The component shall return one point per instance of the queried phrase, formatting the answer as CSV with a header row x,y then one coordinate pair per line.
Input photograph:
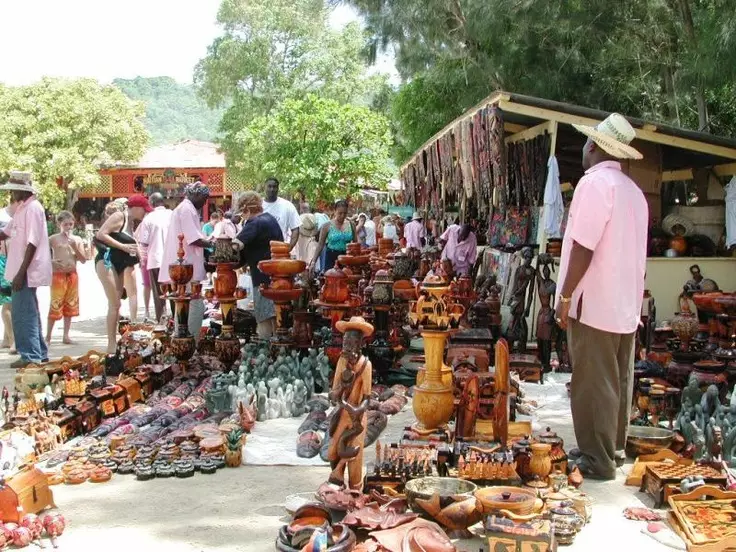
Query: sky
x,y
105,39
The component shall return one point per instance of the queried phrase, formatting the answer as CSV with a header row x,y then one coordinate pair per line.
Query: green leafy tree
x,y
174,111
669,60
64,130
316,146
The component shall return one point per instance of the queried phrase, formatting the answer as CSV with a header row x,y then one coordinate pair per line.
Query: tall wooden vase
x,y
433,398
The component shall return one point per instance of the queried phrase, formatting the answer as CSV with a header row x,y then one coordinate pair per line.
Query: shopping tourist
x,y
253,242
306,245
209,226
185,220
415,233
28,267
116,251
601,288
150,236
66,251
366,231
283,211
461,248
6,288
335,237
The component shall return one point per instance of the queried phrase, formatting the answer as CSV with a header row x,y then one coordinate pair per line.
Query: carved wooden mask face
x,y
352,343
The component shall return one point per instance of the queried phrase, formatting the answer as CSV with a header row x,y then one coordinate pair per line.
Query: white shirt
x,y
370,232
731,213
554,208
286,215
152,233
390,232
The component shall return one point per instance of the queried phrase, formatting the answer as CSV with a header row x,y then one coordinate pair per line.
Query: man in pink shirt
x,y
28,267
415,233
461,248
601,287
152,235
185,220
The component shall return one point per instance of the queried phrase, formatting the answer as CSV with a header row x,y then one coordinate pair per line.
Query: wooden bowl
x,y
426,487
647,440
516,500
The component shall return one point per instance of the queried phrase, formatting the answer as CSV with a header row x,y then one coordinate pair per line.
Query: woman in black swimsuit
x,y
116,250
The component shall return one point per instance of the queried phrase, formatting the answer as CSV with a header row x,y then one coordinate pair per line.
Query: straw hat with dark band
x,y
613,135
357,323
20,181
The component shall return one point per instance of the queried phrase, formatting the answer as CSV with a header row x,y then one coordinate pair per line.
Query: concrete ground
x,y
240,509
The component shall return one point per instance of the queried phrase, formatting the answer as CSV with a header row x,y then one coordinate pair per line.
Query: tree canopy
x,y
667,60
174,111
272,56
317,147
67,129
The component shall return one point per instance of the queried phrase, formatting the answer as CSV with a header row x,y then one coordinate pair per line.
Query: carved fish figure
x,y
456,516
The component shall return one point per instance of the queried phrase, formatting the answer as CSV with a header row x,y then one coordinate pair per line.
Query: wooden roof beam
x,y
727,169
646,135
529,133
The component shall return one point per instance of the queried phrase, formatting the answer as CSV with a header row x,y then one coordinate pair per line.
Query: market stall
x,y
493,165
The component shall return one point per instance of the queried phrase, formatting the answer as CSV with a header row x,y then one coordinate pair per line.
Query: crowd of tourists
x,y
138,239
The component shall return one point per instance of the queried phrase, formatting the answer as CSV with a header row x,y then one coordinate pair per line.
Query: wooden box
x,y
119,398
161,375
103,398
27,492
69,423
659,479
89,415
512,536
144,379
702,518
132,389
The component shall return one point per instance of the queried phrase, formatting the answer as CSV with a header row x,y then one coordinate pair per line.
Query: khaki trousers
x,y
600,392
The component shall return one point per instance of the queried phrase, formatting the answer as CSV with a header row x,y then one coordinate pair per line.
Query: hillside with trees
x,y
174,111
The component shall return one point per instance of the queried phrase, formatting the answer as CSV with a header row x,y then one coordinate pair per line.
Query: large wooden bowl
x,y
516,500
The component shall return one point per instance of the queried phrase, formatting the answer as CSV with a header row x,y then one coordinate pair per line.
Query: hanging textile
x,y
512,229
497,151
554,207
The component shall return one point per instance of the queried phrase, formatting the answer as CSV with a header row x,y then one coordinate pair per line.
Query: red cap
x,y
139,200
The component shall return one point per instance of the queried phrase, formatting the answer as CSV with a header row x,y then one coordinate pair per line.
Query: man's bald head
x,y
156,200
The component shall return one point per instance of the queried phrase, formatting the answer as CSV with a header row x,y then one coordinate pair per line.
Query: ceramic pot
x,y
685,326
433,402
182,347
402,266
510,499
679,244
383,289
227,349
541,463
335,289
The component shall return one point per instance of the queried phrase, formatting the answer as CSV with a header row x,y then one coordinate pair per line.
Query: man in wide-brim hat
x,y
600,293
28,267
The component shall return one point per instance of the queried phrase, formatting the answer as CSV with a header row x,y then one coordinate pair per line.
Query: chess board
x,y
661,480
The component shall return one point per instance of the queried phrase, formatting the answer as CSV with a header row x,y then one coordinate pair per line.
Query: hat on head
x,y
613,135
416,216
20,181
356,323
139,200
196,189
308,226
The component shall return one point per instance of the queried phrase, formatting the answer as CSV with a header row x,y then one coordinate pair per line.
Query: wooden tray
x,y
715,531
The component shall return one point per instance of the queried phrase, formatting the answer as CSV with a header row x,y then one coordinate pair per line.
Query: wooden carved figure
x,y
521,301
546,318
501,399
351,391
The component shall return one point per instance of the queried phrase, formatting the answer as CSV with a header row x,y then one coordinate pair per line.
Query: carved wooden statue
x,y
351,391
521,300
501,399
546,317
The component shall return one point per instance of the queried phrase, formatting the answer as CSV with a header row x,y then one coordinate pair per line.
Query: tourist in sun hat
x,y
28,267
601,287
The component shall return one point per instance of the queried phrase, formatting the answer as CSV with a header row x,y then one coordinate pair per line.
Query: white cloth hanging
x,y
554,208
731,212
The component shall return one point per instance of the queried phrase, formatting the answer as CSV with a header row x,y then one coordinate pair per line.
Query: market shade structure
x,y
442,176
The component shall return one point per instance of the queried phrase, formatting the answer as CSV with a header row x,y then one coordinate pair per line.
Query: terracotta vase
x,y
685,325
335,289
541,464
433,399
